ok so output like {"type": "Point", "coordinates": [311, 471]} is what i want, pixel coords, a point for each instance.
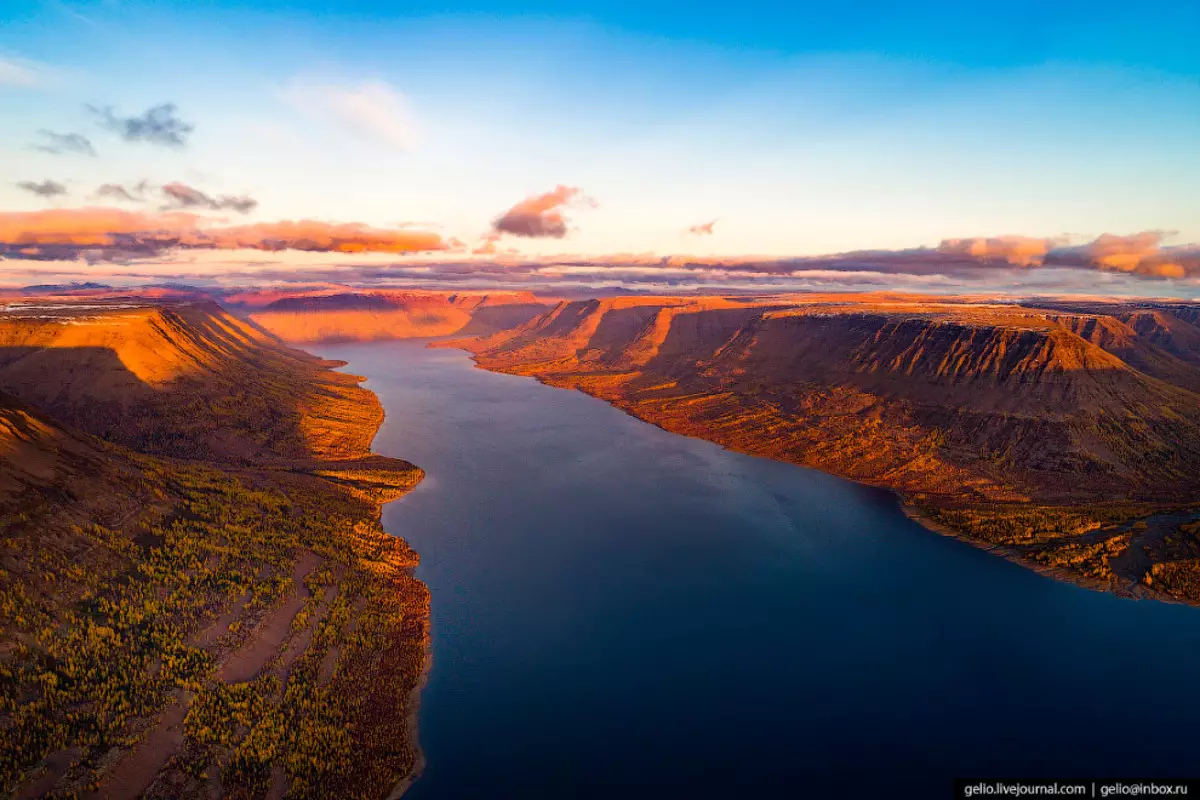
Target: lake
{"type": "Point", "coordinates": [620, 612]}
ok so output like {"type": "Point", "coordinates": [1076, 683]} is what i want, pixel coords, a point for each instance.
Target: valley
{"type": "Point", "coordinates": [598, 401]}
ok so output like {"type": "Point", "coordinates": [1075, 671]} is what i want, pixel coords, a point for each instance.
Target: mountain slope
{"type": "Point", "coordinates": [173, 628]}
{"type": "Point", "coordinates": [183, 379]}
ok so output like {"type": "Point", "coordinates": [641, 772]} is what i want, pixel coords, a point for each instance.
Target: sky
{"type": "Point", "coordinates": [638, 142]}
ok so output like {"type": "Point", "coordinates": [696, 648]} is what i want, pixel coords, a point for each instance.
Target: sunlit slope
{"type": "Point", "coordinates": [185, 379]}
{"type": "Point", "coordinates": [369, 315]}
{"type": "Point", "coordinates": [950, 399]}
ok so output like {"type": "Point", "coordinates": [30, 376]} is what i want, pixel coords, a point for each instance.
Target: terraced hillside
{"type": "Point", "coordinates": [196, 596]}
{"type": "Point", "coordinates": [1018, 426]}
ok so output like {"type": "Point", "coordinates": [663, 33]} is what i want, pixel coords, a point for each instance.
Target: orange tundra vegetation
{"type": "Point", "coordinates": [196, 595]}
{"type": "Point", "coordinates": [1039, 430]}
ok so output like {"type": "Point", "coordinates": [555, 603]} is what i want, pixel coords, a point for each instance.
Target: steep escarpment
{"type": "Point", "coordinates": [962, 407]}
{"type": "Point", "coordinates": [1162, 341]}
{"type": "Point", "coordinates": [184, 379]}
{"type": "Point", "coordinates": [367, 315]}
{"type": "Point", "coordinates": [184, 627]}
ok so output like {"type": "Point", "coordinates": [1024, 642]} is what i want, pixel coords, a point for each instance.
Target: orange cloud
{"type": "Point", "coordinates": [1139, 253]}
{"type": "Point", "coordinates": [487, 245]}
{"type": "Point", "coordinates": [311, 235]}
{"type": "Point", "coordinates": [1023, 251]}
{"type": "Point", "coordinates": [84, 227]}
{"type": "Point", "coordinates": [66, 233]}
{"type": "Point", "coordinates": [1123, 253]}
{"type": "Point", "coordinates": [540, 216]}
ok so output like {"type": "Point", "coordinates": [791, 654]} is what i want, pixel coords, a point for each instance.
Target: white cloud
{"type": "Point", "coordinates": [371, 110]}
{"type": "Point", "coordinates": [23, 73]}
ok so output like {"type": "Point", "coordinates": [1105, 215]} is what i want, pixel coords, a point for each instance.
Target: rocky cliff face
{"type": "Point", "coordinates": [1161, 342]}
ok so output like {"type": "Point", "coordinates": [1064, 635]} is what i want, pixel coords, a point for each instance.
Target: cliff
{"type": "Point", "coordinates": [185, 379]}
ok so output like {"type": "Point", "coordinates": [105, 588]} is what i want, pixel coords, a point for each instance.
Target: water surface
{"type": "Point", "coordinates": [620, 612]}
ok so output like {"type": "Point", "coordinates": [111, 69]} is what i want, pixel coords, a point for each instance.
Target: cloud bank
{"type": "Point", "coordinates": [115, 234]}
{"type": "Point", "coordinates": [1021, 251]}
{"type": "Point", "coordinates": [1139, 253]}
{"type": "Point", "coordinates": [182, 245]}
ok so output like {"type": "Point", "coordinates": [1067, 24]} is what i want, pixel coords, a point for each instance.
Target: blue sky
{"type": "Point", "coordinates": [801, 129]}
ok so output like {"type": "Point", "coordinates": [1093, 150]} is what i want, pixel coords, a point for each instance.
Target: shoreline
{"type": "Point", "coordinates": [413, 705]}
{"type": "Point", "coordinates": [1127, 591]}
{"type": "Point", "coordinates": [1130, 592]}
{"type": "Point", "coordinates": [413, 722]}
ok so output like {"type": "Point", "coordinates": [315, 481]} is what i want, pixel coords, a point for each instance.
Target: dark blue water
{"type": "Point", "coordinates": [619, 612]}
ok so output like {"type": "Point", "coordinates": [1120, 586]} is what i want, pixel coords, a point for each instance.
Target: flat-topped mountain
{"type": "Point", "coordinates": [182, 379]}
{"type": "Point", "coordinates": [333, 314]}
{"type": "Point", "coordinates": [967, 408]}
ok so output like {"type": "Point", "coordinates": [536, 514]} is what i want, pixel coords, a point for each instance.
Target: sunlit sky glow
{"type": "Point", "coordinates": [795, 131]}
